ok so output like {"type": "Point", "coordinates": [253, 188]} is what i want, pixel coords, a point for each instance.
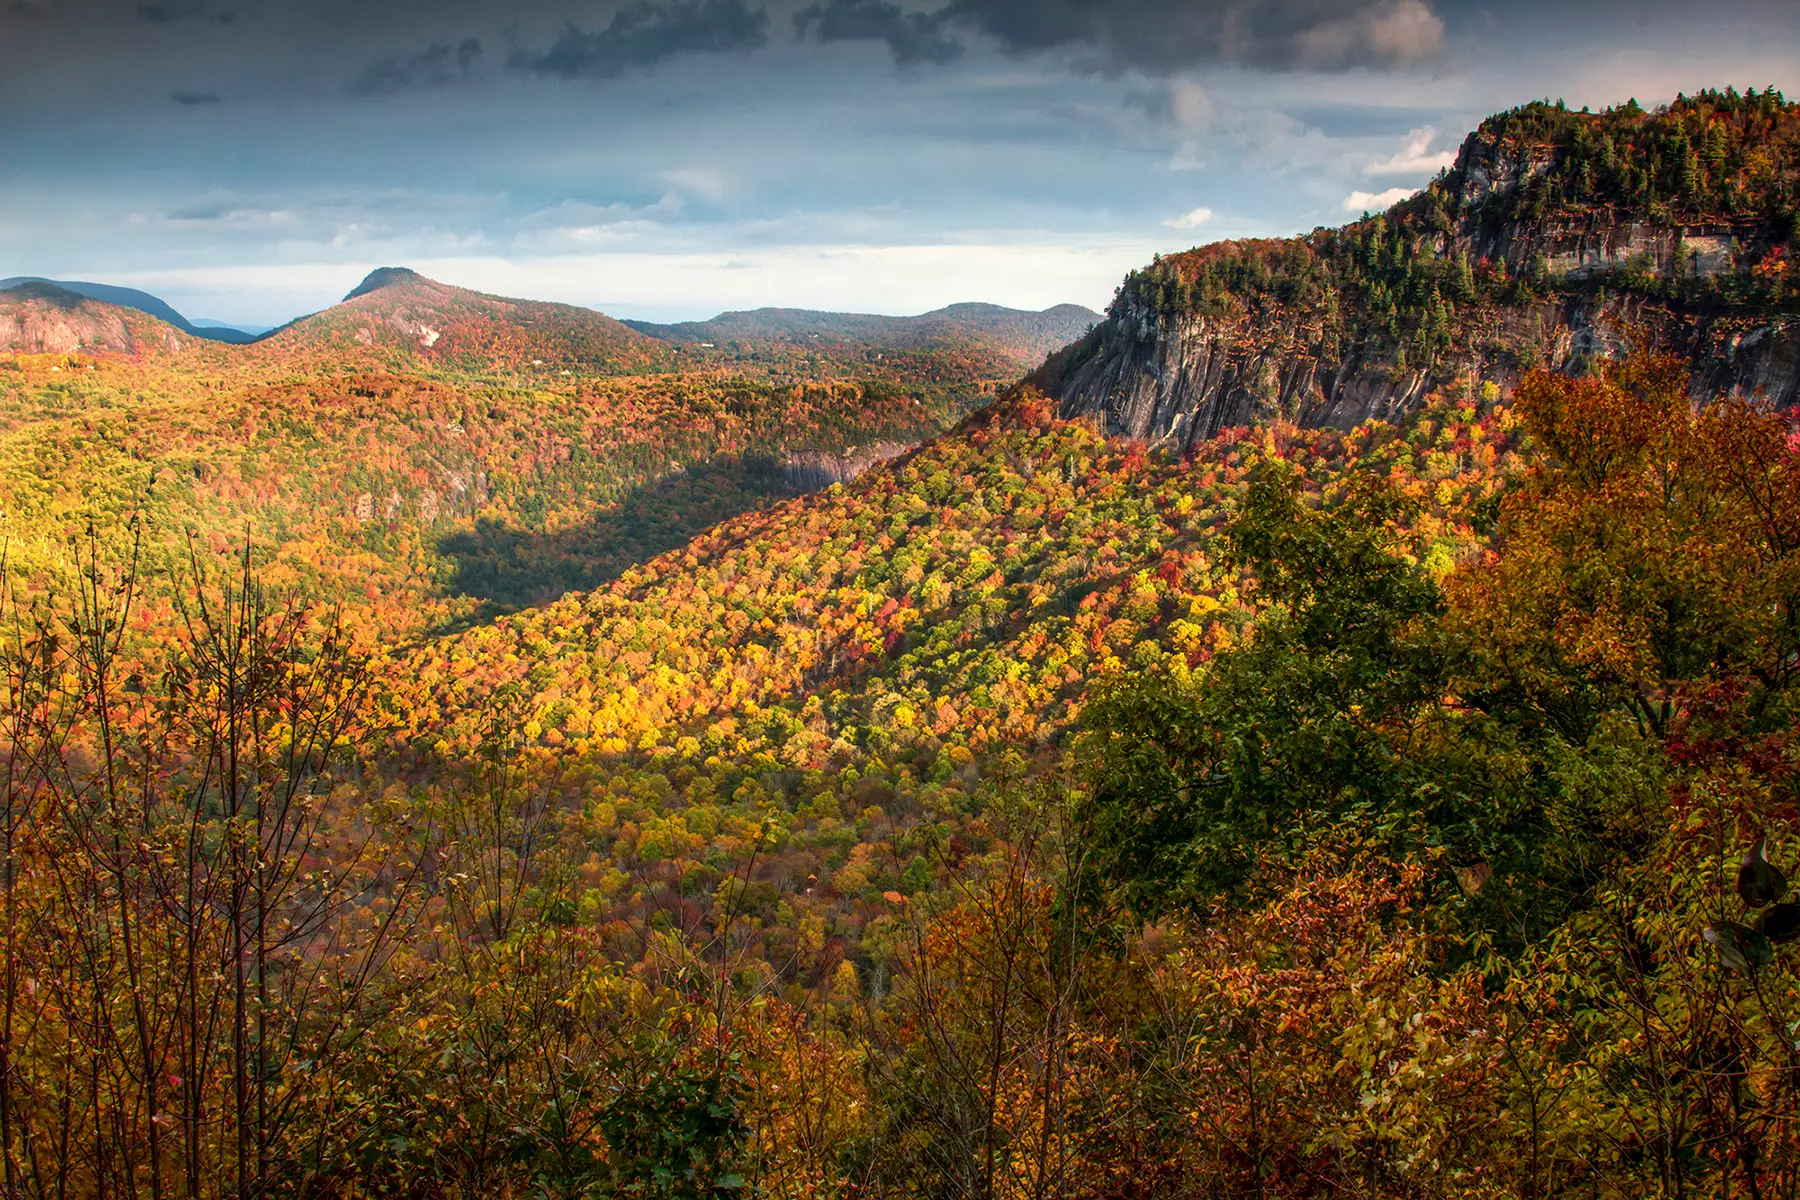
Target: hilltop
{"type": "Point", "coordinates": [44, 318]}
{"type": "Point", "coordinates": [1558, 236]}
{"type": "Point", "coordinates": [143, 302]}
{"type": "Point", "coordinates": [401, 318]}
{"type": "Point", "coordinates": [1024, 338]}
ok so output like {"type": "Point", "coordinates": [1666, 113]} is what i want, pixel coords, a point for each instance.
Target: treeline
{"type": "Point", "coordinates": [1714, 156]}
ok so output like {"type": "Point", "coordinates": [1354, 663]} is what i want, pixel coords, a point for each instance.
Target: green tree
{"type": "Point", "coordinates": [1193, 772]}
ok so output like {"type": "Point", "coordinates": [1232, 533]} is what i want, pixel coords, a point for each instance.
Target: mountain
{"type": "Point", "coordinates": [206, 323]}
{"type": "Point", "coordinates": [143, 302]}
{"type": "Point", "coordinates": [1557, 237]}
{"type": "Point", "coordinates": [1024, 337]}
{"type": "Point", "coordinates": [401, 318]}
{"type": "Point", "coordinates": [44, 318]}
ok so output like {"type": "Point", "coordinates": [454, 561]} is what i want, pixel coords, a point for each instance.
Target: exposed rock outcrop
{"type": "Point", "coordinates": [1179, 377]}
{"type": "Point", "coordinates": [1181, 380]}
{"type": "Point", "coordinates": [40, 318]}
{"type": "Point", "coordinates": [815, 470]}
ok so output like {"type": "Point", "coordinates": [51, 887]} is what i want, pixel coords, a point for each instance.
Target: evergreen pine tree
{"type": "Point", "coordinates": [1464, 280]}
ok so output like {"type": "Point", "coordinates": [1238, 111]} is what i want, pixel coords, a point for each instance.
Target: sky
{"type": "Point", "coordinates": [251, 160]}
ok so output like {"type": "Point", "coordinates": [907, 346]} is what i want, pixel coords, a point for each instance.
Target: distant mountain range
{"type": "Point", "coordinates": [1032, 335]}
{"type": "Point", "coordinates": [399, 315]}
{"type": "Point", "coordinates": [209, 323]}
{"type": "Point", "coordinates": [144, 302]}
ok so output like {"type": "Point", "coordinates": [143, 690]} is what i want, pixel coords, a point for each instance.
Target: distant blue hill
{"type": "Point", "coordinates": [1027, 335]}
{"type": "Point", "coordinates": [144, 302]}
{"type": "Point", "coordinates": [254, 331]}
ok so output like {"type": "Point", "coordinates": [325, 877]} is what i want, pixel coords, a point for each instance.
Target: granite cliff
{"type": "Point", "coordinates": [41, 318]}
{"type": "Point", "coordinates": [1556, 238]}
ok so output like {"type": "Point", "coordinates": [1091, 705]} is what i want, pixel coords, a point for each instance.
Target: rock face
{"type": "Point", "coordinates": [40, 318]}
{"type": "Point", "coordinates": [816, 470]}
{"type": "Point", "coordinates": [1179, 378]}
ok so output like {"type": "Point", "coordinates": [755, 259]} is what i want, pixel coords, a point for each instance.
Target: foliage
{"type": "Point", "coordinates": [1397, 811]}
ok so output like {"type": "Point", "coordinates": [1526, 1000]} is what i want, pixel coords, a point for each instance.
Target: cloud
{"type": "Point", "coordinates": [1190, 106]}
{"type": "Point", "coordinates": [194, 99]}
{"type": "Point", "coordinates": [1416, 157]}
{"type": "Point", "coordinates": [1385, 34]}
{"type": "Point", "coordinates": [1362, 202]}
{"type": "Point", "coordinates": [161, 14]}
{"type": "Point", "coordinates": [645, 33]}
{"type": "Point", "coordinates": [1191, 220]}
{"type": "Point", "coordinates": [913, 37]}
{"type": "Point", "coordinates": [1168, 35]}
{"type": "Point", "coordinates": [703, 182]}
{"type": "Point", "coordinates": [434, 66]}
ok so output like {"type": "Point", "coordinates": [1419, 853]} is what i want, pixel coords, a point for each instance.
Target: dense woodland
{"type": "Point", "coordinates": [442, 781]}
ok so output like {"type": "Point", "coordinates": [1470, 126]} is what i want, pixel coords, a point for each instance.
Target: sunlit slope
{"type": "Point", "coordinates": [965, 597]}
{"type": "Point", "coordinates": [401, 319]}
{"type": "Point", "coordinates": [409, 495]}
{"type": "Point", "coordinates": [40, 318]}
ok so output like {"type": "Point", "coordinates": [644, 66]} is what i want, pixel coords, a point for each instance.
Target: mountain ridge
{"type": "Point", "coordinates": [143, 302]}
{"type": "Point", "coordinates": [399, 315]}
{"type": "Point", "coordinates": [1557, 237]}
{"type": "Point", "coordinates": [42, 318]}
{"type": "Point", "coordinates": [1023, 335]}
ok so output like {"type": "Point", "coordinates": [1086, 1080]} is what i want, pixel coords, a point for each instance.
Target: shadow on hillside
{"type": "Point", "coordinates": [508, 568]}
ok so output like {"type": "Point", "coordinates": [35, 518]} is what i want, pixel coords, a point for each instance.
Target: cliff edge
{"type": "Point", "coordinates": [1558, 237]}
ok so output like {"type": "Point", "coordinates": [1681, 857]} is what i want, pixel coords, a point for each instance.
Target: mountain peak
{"type": "Point", "coordinates": [384, 277]}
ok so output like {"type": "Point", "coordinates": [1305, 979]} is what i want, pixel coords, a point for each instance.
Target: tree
{"type": "Point", "coordinates": [1194, 771]}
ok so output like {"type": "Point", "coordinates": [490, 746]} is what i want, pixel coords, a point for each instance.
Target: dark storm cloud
{"type": "Point", "coordinates": [914, 37]}
{"type": "Point", "coordinates": [643, 34]}
{"type": "Point", "coordinates": [435, 66]}
{"type": "Point", "coordinates": [194, 99]}
{"type": "Point", "coordinates": [161, 14]}
{"type": "Point", "coordinates": [1166, 35]}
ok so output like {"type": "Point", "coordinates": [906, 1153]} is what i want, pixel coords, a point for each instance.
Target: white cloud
{"type": "Point", "coordinates": [1362, 202]}
{"type": "Point", "coordinates": [1398, 32]}
{"type": "Point", "coordinates": [1416, 157]}
{"type": "Point", "coordinates": [1191, 220]}
{"type": "Point", "coordinates": [1190, 106]}
{"type": "Point", "coordinates": [704, 182]}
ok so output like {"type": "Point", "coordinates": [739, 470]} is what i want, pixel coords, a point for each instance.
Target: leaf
{"type": "Point", "coordinates": [1472, 879]}
{"type": "Point", "coordinates": [1724, 939]}
{"type": "Point", "coordinates": [1757, 948]}
{"type": "Point", "coordinates": [1780, 924]}
{"type": "Point", "coordinates": [1759, 881]}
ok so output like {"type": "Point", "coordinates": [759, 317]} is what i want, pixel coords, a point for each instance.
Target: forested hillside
{"type": "Point", "coordinates": [1065, 806]}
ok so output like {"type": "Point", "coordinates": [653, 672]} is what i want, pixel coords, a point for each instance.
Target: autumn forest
{"type": "Point", "coordinates": [463, 747]}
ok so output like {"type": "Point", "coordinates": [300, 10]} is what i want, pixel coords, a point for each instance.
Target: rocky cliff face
{"type": "Point", "coordinates": [1179, 377]}
{"type": "Point", "coordinates": [39, 318]}
{"type": "Point", "coordinates": [816, 470]}
{"type": "Point", "coordinates": [1181, 380]}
